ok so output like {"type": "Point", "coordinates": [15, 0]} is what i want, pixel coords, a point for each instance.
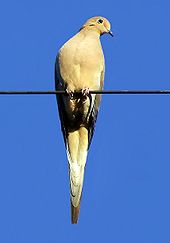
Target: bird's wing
{"type": "Point", "coordinates": [95, 109]}
{"type": "Point", "coordinates": [59, 85]}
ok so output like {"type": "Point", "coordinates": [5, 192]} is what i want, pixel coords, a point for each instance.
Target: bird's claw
{"type": "Point", "coordinates": [85, 92]}
{"type": "Point", "coordinates": [70, 93]}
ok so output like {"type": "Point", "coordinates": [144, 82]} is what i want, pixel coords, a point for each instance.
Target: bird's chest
{"type": "Point", "coordinates": [88, 56]}
{"type": "Point", "coordinates": [81, 64]}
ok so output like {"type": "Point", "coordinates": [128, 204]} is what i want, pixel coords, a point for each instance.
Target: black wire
{"type": "Point", "coordinates": [91, 92]}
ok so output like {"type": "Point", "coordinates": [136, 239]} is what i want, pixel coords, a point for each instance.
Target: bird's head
{"type": "Point", "coordinates": [99, 24]}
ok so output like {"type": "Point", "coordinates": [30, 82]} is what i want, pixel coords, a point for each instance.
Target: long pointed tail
{"type": "Point", "coordinates": [75, 213]}
{"type": "Point", "coordinates": [76, 186]}
{"type": "Point", "coordinates": [77, 144]}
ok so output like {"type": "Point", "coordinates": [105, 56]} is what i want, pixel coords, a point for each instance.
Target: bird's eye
{"type": "Point", "coordinates": [100, 21]}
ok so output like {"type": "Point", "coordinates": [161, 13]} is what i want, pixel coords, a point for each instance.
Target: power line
{"type": "Point", "coordinates": [50, 92]}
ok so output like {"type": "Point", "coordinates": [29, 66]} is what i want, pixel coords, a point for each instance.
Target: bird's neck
{"type": "Point", "coordinates": [92, 32]}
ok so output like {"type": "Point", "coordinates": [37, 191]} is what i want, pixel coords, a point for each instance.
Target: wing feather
{"type": "Point", "coordinates": [95, 110]}
{"type": "Point", "coordinates": [62, 113]}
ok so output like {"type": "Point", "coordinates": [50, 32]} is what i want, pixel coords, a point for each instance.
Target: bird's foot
{"type": "Point", "coordinates": [70, 93]}
{"type": "Point", "coordinates": [85, 92]}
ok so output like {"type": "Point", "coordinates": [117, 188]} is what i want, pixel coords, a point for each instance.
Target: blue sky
{"type": "Point", "coordinates": [126, 191]}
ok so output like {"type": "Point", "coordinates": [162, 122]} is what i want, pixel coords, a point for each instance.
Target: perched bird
{"type": "Point", "coordinates": [80, 67]}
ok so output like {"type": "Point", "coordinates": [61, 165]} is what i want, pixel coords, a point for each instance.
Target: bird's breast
{"type": "Point", "coordinates": [81, 64]}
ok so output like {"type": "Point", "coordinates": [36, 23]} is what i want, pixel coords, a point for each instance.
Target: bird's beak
{"type": "Point", "coordinates": [110, 33]}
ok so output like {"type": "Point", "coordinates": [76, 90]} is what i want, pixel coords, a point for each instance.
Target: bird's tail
{"type": "Point", "coordinates": [77, 154]}
{"type": "Point", "coordinates": [74, 213]}
{"type": "Point", "coordinates": [76, 186]}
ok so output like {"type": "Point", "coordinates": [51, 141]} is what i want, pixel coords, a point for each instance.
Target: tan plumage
{"type": "Point", "coordinates": [79, 67]}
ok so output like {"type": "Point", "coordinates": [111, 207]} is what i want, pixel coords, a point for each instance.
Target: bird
{"type": "Point", "coordinates": [79, 69]}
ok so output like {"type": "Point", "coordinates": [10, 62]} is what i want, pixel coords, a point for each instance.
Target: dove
{"type": "Point", "coordinates": [79, 69]}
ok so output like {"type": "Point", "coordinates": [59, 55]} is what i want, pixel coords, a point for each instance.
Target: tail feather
{"type": "Point", "coordinates": [76, 183]}
{"type": "Point", "coordinates": [75, 213]}
{"type": "Point", "coordinates": [77, 144]}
